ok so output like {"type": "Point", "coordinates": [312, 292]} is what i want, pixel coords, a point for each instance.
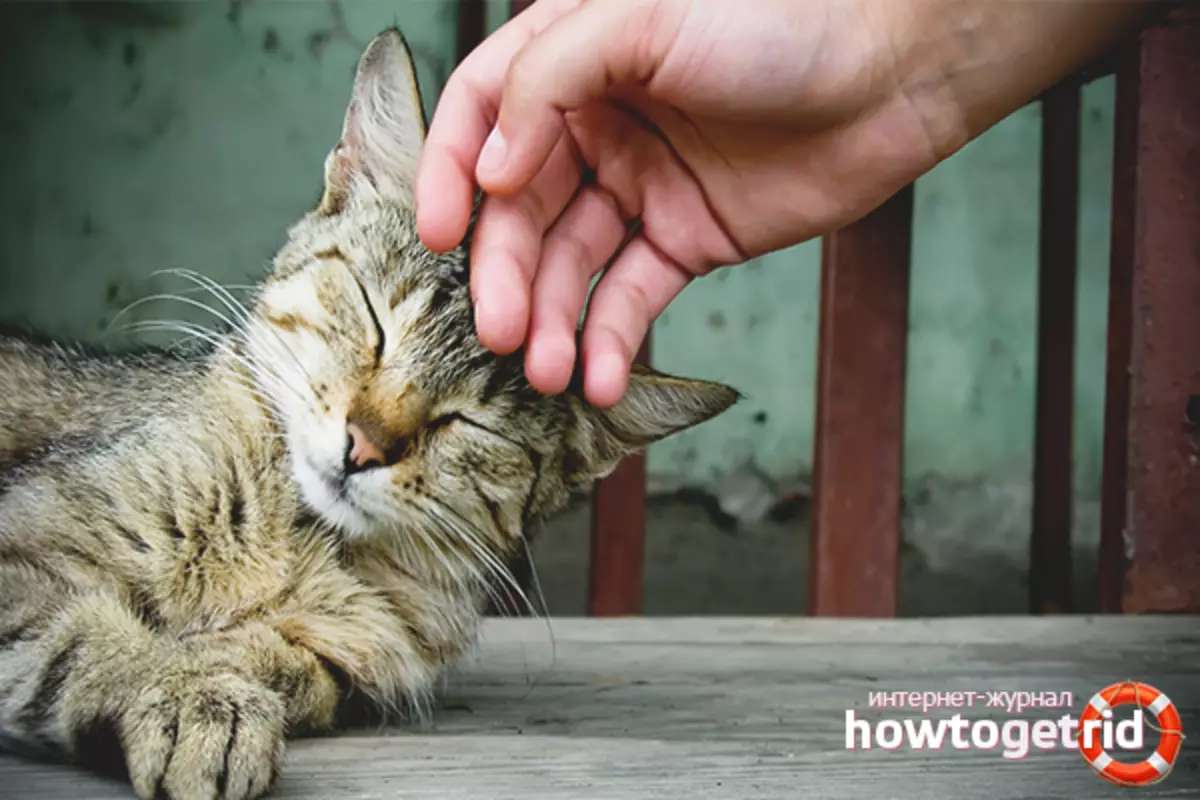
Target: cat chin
{"type": "Point", "coordinates": [332, 505]}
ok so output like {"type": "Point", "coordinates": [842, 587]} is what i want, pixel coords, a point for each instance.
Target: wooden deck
{"type": "Point", "coordinates": [732, 708]}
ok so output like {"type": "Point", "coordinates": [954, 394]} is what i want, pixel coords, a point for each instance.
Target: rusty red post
{"type": "Point", "coordinates": [1053, 487]}
{"type": "Point", "coordinates": [1150, 520]}
{"type": "Point", "coordinates": [858, 459]}
{"type": "Point", "coordinates": [619, 535]}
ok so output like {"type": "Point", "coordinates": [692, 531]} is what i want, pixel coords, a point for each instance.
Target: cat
{"type": "Point", "coordinates": [202, 554]}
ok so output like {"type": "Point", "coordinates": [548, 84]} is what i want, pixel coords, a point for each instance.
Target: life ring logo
{"type": "Point", "coordinates": [1097, 716]}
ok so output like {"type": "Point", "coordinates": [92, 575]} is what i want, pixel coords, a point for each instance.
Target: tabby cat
{"type": "Point", "coordinates": [201, 554]}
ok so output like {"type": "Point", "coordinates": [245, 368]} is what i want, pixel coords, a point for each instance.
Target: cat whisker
{"type": "Point", "coordinates": [271, 333]}
{"type": "Point", "coordinates": [150, 298]}
{"type": "Point", "coordinates": [238, 309]}
{"type": "Point", "coordinates": [260, 371]}
{"type": "Point", "coordinates": [138, 325]}
{"type": "Point", "coordinates": [465, 531]}
{"type": "Point", "coordinates": [445, 535]}
{"type": "Point", "coordinates": [537, 588]}
{"type": "Point", "coordinates": [220, 292]}
{"type": "Point", "coordinates": [447, 532]}
{"type": "Point", "coordinates": [435, 548]}
{"type": "Point", "coordinates": [220, 342]}
{"type": "Point", "coordinates": [247, 320]}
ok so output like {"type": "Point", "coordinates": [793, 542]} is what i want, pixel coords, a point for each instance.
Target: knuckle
{"type": "Point", "coordinates": [533, 206]}
{"type": "Point", "coordinates": [634, 296]}
{"type": "Point", "coordinates": [601, 199]}
{"type": "Point", "coordinates": [523, 71]}
{"type": "Point", "coordinates": [572, 249]}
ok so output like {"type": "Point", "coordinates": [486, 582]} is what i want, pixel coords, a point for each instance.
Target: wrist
{"type": "Point", "coordinates": [964, 65]}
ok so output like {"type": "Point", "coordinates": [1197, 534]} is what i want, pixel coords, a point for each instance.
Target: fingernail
{"type": "Point", "coordinates": [491, 159]}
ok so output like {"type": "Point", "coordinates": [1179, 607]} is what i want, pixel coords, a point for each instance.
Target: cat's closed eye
{"type": "Point", "coordinates": [380, 336]}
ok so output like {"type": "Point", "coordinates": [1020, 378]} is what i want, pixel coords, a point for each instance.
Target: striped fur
{"type": "Point", "coordinates": [188, 571]}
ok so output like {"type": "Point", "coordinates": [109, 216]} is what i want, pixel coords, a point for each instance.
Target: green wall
{"type": "Point", "coordinates": [141, 137]}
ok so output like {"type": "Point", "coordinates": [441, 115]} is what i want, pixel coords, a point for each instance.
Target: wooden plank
{"type": "Point", "coordinates": [618, 543]}
{"type": "Point", "coordinates": [1053, 485]}
{"type": "Point", "coordinates": [860, 414]}
{"type": "Point", "coordinates": [729, 708]}
{"type": "Point", "coordinates": [1150, 550]}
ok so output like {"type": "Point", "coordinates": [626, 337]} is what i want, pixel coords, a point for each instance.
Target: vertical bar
{"type": "Point", "coordinates": [1113, 503]}
{"type": "Point", "coordinates": [619, 535]}
{"type": "Point", "coordinates": [1050, 543]}
{"type": "Point", "coordinates": [471, 28]}
{"type": "Point", "coordinates": [860, 414]}
{"type": "Point", "coordinates": [1151, 519]}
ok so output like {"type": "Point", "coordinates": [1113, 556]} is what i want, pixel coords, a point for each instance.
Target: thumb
{"type": "Point", "coordinates": [574, 61]}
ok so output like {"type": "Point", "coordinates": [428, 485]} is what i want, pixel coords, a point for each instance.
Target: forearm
{"type": "Point", "coordinates": [964, 65]}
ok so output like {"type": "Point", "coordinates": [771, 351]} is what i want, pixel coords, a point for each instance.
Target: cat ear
{"type": "Point", "coordinates": [654, 407]}
{"type": "Point", "coordinates": [383, 131]}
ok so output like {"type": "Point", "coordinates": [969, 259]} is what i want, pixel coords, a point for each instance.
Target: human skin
{"type": "Point", "coordinates": [724, 129]}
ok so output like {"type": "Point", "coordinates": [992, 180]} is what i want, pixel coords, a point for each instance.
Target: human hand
{"type": "Point", "coordinates": [726, 130]}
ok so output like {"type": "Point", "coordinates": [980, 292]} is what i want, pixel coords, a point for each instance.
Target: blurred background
{"type": "Point", "coordinates": [143, 136]}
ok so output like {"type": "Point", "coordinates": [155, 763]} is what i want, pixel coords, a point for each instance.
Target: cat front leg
{"type": "Point", "coordinates": [334, 647]}
{"type": "Point", "coordinates": [86, 678]}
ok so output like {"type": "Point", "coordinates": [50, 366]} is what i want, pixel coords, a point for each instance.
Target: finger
{"type": "Point", "coordinates": [507, 245]}
{"type": "Point", "coordinates": [572, 62]}
{"type": "Point", "coordinates": [627, 299]}
{"type": "Point", "coordinates": [445, 187]}
{"type": "Point", "coordinates": [465, 113]}
{"type": "Point", "coordinates": [576, 248]}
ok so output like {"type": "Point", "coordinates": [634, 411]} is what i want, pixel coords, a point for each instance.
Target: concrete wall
{"type": "Point", "coordinates": [141, 137]}
{"type": "Point", "coordinates": [147, 136]}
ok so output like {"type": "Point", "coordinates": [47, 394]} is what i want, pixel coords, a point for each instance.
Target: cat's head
{"type": "Point", "coordinates": [395, 417]}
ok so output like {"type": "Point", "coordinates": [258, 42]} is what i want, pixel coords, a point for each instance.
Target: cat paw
{"type": "Point", "coordinates": [211, 737]}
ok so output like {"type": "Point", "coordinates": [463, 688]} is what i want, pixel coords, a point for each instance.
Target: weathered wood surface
{"type": "Point", "coordinates": [730, 708]}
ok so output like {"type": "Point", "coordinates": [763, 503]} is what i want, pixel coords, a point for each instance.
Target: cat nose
{"type": "Point", "coordinates": [361, 453]}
